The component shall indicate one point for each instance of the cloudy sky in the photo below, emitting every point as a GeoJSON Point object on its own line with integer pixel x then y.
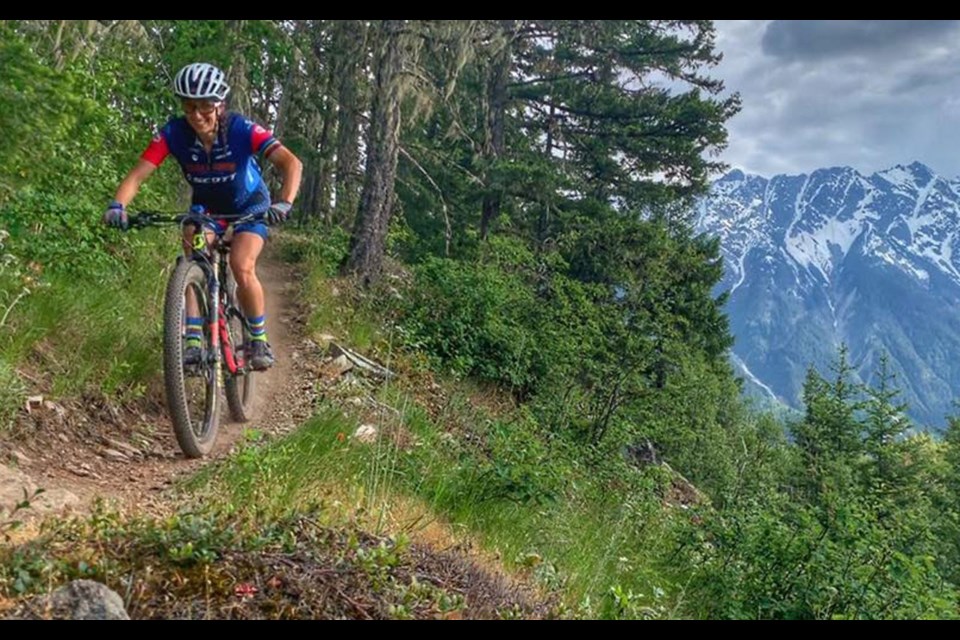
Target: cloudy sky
{"type": "Point", "coordinates": [868, 94]}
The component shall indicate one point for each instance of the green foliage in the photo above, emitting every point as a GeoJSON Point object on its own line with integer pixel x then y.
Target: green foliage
{"type": "Point", "coordinates": [947, 502]}
{"type": "Point", "coordinates": [857, 528]}
{"type": "Point", "coordinates": [12, 393]}
{"type": "Point", "coordinates": [81, 123]}
{"type": "Point", "coordinates": [775, 558]}
{"type": "Point", "coordinates": [521, 467]}
{"type": "Point", "coordinates": [478, 321]}
{"type": "Point", "coordinates": [319, 249]}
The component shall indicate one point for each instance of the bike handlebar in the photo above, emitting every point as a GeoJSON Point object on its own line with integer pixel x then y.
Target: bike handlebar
{"type": "Point", "coordinates": [142, 219]}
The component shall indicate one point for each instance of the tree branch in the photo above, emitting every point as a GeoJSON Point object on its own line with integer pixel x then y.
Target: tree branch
{"type": "Point", "coordinates": [448, 230]}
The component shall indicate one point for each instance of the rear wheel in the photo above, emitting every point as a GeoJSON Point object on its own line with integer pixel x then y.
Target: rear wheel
{"type": "Point", "coordinates": [239, 389]}
{"type": "Point", "coordinates": [192, 389]}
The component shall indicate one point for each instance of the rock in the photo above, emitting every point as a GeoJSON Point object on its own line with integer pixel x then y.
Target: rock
{"type": "Point", "coordinates": [32, 403]}
{"type": "Point", "coordinates": [13, 483]}
{"type": "Point", "coordinates": [55, 500]}
{"type": "Point", "coordinates": [55, 407]}
{"type": "Point", "coordinates": [83, 600]}
{"type": "Point", "coordinates": [123, 446]}
{"type": "Point", "coordinates": [351, 381]}
{"type": "Point", "coordinates": [365, 433]}
{"type": "Point", "coordinates": [16, 486]}
{"type": "Point", "coordinates": [21, 458]}
{"type": "Point", "coordinates": [641, 454]}
{"type": "Point", "coordinates": [341, 364]}
{"type": "Point", "coordinates": [113, 454]}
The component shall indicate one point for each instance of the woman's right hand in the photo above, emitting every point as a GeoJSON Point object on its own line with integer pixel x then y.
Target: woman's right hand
{"type": "Point", "coordinates": [116, 216]}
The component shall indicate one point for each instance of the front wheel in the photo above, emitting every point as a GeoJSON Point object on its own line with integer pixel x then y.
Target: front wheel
{"type": "Point", "coordinates": [192, 387]}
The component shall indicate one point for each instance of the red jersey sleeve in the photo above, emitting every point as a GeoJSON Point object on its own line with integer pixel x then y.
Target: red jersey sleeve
{"type": "Point", "coordinates": [157, 150]}
{"type": "Point", "coordinates": [262, 141]}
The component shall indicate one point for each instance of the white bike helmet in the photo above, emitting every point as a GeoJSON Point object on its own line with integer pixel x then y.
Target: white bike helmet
{"type": "Point", "coordinates": [201, 81]}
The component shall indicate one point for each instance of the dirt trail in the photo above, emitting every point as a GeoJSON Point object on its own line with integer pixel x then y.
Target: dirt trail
{"type": "Point", "coordinates": [130, 457]}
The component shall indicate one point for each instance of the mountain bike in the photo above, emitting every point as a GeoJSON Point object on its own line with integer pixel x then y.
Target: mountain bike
{"type": "Point", "coordinates": [203, 284]}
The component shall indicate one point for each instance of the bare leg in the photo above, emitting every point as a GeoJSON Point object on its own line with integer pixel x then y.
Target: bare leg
{"type": "Point", "coordinates": [243, 261]}
{"type": "Point", "coordinates": [244, 251]}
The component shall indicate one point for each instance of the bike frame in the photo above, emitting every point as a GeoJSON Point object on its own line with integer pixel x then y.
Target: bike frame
{"type": "Point", "coordinates": [211, 256]}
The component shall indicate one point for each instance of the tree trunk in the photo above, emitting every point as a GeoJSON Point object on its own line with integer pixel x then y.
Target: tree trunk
{"type": "Point", "coordinates": [368, 241]}
{"type": "Point", "coordinates": [240, 99]}
{"type": "Point", "coordinates": [543, 222]}
{"type": "Point", "coordinates": [494, 135]}
{"type": "Point", "coordinates": [285, 110]}
{"type": "Point", "coordinates": [302, 114]}
{"type": "Point", "coordinates": [325, 171]}
{"type": "Point", "coordinates": [352, 36]}
{"type": "Point", "coordinates": [57, 51]}
{"type": "Point", "coordinates": [307, 204]}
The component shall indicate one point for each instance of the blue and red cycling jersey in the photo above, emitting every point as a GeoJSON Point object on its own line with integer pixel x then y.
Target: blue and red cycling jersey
{"type": "Point", "coordinates": [227, 181]}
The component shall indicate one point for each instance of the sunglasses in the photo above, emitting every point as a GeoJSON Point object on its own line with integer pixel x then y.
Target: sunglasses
{"type": "Point", "coordinates": [204, 107]}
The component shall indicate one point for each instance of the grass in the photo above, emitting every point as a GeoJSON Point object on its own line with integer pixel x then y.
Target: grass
{"type": "Point", "coordinates": [415, 480]}
{"type": "Point", "coordinates": [206, 563]}
{"type": "Point", "coordinates": [96, 332]}
{"type": "Point", "coordinates": [485, 470]}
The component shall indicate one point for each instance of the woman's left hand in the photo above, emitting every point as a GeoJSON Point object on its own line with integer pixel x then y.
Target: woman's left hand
{"type": "Point", "coordinates": [278, 212]}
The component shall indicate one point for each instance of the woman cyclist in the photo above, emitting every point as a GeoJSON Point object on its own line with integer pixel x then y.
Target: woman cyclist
{"type": "Point", "coordinates": [218, 151]}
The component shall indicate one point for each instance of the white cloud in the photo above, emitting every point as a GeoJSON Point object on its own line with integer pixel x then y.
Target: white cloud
{"type": "Point", "coordinates": [831, 93]}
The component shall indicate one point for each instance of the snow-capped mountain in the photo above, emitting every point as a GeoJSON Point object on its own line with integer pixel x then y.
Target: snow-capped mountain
{"type": "Point", "coordinates": [813, 261]}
